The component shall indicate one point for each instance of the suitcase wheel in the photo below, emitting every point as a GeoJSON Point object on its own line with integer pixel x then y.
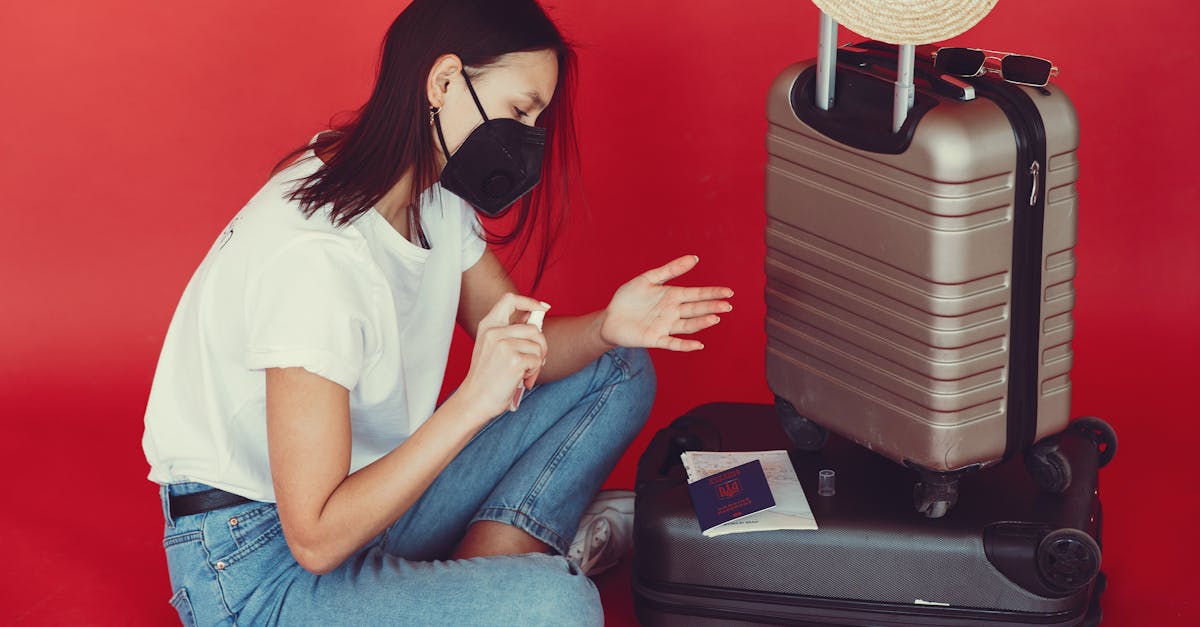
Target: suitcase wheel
{"type": "Point", "coordinates": [1049, 466]}
{"type": "Point", "coordinates": [805, 434]}
{"type": "Point", "coordinates": [1068, 559]}
{"type": "Point", "coordinates": [936, 493]}
{"type": "Point", "coordinates": [931, 508]}
{"type": "Point", "coordinates": [1099, 432]}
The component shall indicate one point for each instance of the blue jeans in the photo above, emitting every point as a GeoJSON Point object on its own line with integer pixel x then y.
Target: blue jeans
{"type": "Point", "coordinates": [536, 469]}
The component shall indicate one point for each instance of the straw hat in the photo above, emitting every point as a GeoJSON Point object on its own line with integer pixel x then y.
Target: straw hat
{"type": "Point", "coordinates": [907, 21]}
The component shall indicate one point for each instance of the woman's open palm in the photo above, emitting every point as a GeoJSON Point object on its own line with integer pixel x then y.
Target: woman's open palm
{"type": "Point", "coordinates": [645, 312]}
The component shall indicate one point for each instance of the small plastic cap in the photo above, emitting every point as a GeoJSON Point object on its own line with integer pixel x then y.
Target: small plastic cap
{"type": "Point", "coordinates": [825, 483]}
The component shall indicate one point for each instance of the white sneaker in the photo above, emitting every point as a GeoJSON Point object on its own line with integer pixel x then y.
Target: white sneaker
{"type": "Point", "coordinates": [605, 532]}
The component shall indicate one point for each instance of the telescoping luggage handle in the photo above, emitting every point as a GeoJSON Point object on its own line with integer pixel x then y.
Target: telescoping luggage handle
{"type": "Point", "coordinates": [904, 94]}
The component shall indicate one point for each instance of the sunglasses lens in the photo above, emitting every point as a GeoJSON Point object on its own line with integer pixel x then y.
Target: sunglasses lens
{"type": "Point", "coordinates": [1028, 70]}
{"type": "Point", "coordinates": [959, 61]}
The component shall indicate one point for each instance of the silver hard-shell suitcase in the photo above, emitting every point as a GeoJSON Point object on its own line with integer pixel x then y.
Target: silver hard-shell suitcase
{"type": "Point", "coordinates": [919, 282]}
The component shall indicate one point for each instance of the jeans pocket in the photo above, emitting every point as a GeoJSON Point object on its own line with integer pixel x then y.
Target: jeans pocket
{"type": "Point", "coordinates": [183, 606]}
{"type": "Point", "coordinates": [245, 526]}
{"type": "Point", "coordinates": [252, 551]}
{"type": "Point", "coordinates": [185, 558]}
{"type": "Point", "coordinates": [265, 530]}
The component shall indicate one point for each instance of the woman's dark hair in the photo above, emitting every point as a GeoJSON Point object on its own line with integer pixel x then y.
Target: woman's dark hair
{"type": "Point", "coordinates": [391, 134]}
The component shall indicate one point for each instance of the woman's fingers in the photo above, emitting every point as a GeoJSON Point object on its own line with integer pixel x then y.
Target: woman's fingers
{"type": "Point", "coordinates": [502, 312]}
{"type": "Point", "coordinates": [526, 332]}
{"type": "Point", "coordinates": [696, 294]}
{"type": "Point", "coordinates": [671, 270]}
{"type": "Point", "coordinates": [679, 345]}
{"type": "Point", "coordinates": [526, 358]}
{"type": "Point", "coordinates": [702, 308]}
{"type": "Point", "coordinates": [506, 355]}
{"type": "Point", "coordinates": [521, 338]}
{"type": "Point", "coordinates": [525, 346]}
{"type": "Point", "coordinates": [530, 357]}
{"type": "Point", "coordinates": [673, 310]}
{"type": "Point", "coordinates": [694, 325]}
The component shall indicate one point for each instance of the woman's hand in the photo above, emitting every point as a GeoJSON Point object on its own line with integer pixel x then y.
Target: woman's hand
{"type": "Point", "coordinates": [505, 355]}
{"type": "Point", "coordinates": [646, 313]}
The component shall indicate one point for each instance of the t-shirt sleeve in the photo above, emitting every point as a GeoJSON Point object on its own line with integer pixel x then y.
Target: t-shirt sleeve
{"type": "Point", "coordinates": [310, 307]}
{"type": "Point", "coordinates": [473, 243]}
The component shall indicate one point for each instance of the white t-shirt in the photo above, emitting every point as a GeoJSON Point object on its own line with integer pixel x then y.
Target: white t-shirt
{"type": "Point", "coordinates": [359, 305]}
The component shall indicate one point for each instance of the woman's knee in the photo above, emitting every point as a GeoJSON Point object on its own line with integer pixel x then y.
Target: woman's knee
{"type": "Point", "coordinates": [632, 395]}
{"type": "Point", "coordinates": [637, 371]}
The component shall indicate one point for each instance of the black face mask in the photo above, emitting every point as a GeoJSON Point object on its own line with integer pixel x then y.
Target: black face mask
{"type": "Point", "coordinates": [500, 161]}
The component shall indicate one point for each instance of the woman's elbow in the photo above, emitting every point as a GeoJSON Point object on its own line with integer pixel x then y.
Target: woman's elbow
{"type": "Point", "coordinates": [315, 560]}
{"type": "Point", "coordinates": [312, 554]}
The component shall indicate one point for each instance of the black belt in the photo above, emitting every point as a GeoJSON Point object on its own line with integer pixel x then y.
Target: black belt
{"type": "Point", "coordinates": [206, 501]}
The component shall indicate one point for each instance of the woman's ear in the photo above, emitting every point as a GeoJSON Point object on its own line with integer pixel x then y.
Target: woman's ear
{"type": "Point", "coordinates": [444, 68]}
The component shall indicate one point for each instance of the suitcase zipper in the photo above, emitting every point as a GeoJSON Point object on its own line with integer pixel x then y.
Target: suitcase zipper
{"type": "Point", "coordinates": [1033, 169]}
{"type": "Point", "coordinates": [1025, 310]}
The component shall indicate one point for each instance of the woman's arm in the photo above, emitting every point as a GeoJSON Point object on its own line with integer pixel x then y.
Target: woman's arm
{"type": "Point", "coordinates": [573, 341]}
{"type": "Point", "coordinates": [643, 313]}
{"type": "Point", "coordinates": [327, 513]}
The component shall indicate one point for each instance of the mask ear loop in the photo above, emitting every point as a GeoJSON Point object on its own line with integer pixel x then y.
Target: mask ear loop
{"type": "Point", "coordinates": [437, 121]}
{"type": "Point", "coordinates": [474, 97]}
{"type": "Point", "coordinates": [479, 105]}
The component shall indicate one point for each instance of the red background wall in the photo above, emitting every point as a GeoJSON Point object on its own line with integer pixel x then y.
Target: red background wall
{"type": "Point", "coordinates": [132, 130]}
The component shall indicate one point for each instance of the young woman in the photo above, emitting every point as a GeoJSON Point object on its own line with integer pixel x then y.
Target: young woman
{"type": "Point", "coordinates": [307, 474]}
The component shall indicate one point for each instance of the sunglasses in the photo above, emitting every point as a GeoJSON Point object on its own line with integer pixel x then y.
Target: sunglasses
{"type": "Point", "coordinates": [1014, 68]}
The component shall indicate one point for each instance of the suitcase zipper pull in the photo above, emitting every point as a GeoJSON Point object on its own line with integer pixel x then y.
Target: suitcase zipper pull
{"type": "Point", "coordinates": [1033, 169]}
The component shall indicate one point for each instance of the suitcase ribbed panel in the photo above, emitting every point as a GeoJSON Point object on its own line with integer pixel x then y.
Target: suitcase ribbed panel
{"type": "Point", "coordinates": [888, 279]}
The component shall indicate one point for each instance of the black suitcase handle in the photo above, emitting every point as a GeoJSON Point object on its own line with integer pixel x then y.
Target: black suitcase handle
{"type": "Point", "coordinates": [862, 113]}
{"type": "Point", "coordinates": [661, 462]}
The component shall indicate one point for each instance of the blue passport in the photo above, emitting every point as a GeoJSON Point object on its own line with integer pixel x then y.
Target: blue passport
{"type": "Point", "coordinates": [730, 494]}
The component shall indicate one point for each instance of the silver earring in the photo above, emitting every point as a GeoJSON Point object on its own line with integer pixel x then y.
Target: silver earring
{"type": "Point", "coordinates": [433, 111]}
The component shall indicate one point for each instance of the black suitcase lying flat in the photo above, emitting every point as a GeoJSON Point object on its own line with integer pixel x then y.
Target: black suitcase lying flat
{"type": "Point", "coordinates": [1008, 554]}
